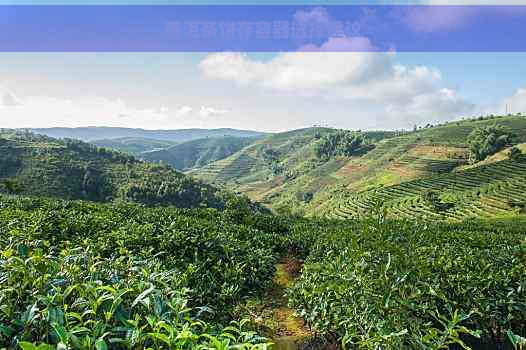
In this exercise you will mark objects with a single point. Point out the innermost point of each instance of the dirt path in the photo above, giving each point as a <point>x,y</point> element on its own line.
<point>287,329</point>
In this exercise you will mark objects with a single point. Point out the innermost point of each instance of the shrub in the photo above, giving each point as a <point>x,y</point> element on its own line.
<point>515,154</point>
<point>394,285</point>
<point>488,140</point>
<point>341,143</point>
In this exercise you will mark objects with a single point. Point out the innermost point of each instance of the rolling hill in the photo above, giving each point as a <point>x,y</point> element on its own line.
<point>493,190</point>
<point>41,166</point>
<point>92,133</point>
<point>198,153</point>
<point>296,177</point>
<point>133,145</point>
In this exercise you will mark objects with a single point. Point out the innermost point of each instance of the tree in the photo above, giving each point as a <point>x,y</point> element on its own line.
<point>307,196</point>
<point>434,200</point>
<point>341,143</point>
<point>270,156</point>
<point>12,186</point>
<point>485,141</point>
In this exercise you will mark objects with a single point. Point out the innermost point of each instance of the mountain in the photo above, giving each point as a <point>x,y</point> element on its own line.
<point>133,145</point>
<point>287,172</point>
<point>198,153</point>
<point>92,133</point>
<point>41,166</point>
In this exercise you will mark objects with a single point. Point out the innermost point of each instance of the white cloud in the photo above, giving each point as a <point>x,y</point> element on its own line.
<point>317,14</point>
<point>183,111</point>
<point>206,112</point>
<point>296,71</point>
<point>515,103</point>
<point>10,99</point>
<point>46,111</point>
<point>410,94</point>
<point>431,107</point>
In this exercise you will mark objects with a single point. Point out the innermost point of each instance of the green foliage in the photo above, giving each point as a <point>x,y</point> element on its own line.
<point>94,276</point>
<point>84,275</point>
<point>433,199</point>
<point>393,285</point>
<point>485,141</point>
<point>517,341</point>
<point>515,154</point>
<point>307,196</point>
<point>270,155</point>
<point>488,190</point>
<point>11,186</point>
<point>341,143</point>
<point>272,158</point>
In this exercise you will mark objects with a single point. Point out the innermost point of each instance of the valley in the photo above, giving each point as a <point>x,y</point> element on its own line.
<point>315,238</point>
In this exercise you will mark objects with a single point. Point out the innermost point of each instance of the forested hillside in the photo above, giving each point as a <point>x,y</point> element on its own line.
<point>265,167</point>
<point>41,166</point>
<point>133,145</point>
<point>198,153</point>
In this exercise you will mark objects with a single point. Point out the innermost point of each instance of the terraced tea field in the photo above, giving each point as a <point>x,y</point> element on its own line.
<point>227,169</point>
<point>456,133</point>
<point>493,190</point>
<point>283,169</point>
<point>438,166</point>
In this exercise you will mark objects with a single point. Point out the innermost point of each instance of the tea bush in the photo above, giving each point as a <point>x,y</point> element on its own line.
<point>394,285</point>
<point>94,276</point>
<point>87,275</point>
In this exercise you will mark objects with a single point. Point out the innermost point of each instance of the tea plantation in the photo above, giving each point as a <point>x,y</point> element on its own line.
<point>83,275</point>
<point>382,284</point>
<point>497,189</point>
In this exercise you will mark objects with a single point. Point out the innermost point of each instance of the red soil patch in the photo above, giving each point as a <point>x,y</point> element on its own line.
<point>350,169</point>
<point>438,152</point>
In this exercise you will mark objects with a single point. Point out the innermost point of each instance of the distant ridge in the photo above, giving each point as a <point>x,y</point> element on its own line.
<point>93,133</point>
<point>198,153</point>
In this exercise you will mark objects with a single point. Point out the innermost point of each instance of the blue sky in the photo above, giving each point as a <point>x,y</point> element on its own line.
<point>202,2</point>
<point>256,2</point>
<point>263,91</point>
